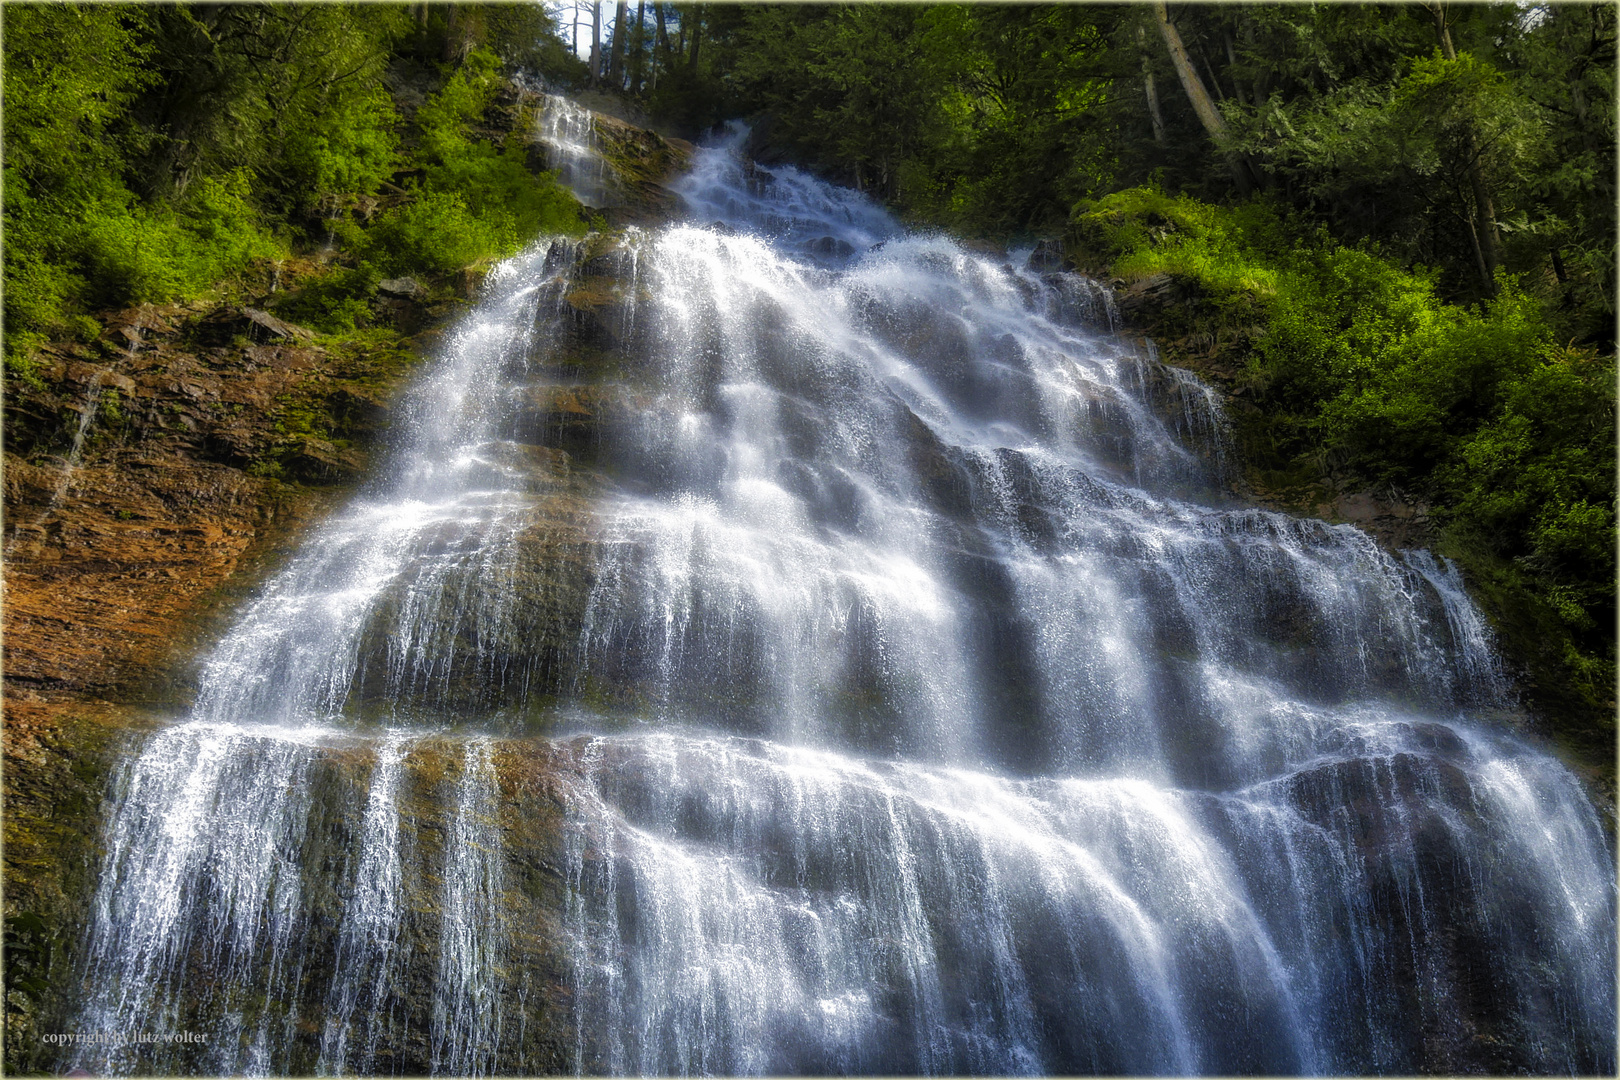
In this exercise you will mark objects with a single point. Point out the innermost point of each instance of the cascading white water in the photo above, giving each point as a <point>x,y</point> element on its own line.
<point>903,691</point>
<point>87,410</point>
<point>568,133</point>
<point>222,820</point>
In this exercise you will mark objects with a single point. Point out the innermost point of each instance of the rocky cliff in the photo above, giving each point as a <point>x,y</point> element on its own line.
<point>153,475</point>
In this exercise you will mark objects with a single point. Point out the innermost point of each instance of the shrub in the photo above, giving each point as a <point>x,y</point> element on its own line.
<point>134,254</point>
<point>345,152</point>
<point>434,232</point>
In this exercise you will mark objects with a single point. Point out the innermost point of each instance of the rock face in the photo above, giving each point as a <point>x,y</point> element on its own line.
<point>618,169</point>
<point>154,476</point>
<point>166,474</point>
<point>148,482</point>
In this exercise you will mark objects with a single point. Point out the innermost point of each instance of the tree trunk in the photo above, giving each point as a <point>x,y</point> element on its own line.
<point>1214,80</point>
<point>462,29</point>
<point>697,36</point>
<point>621,17</point>
<point>1202,104</point>
<point>661,60</point>
<point>1262,79</point>
<point>1487,239</point>
<point>596,41</point>
<point>1148,87</point>
<point>639,45</point>
<point>1153,102</point>
<point>1231,66</point>
<point>1485,209</point>
<point>448,52</point>
<point>1208,115</point>
<point>1481,262</point>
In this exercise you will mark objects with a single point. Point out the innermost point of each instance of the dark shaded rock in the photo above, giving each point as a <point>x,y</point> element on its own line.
<point>1144,300</point>
<point>765,142</point>
<point>320,462</point>
<point>1047,258</point>
<point>993,248</point>
<point>470,280</point>
<point>224,325</point>
<point>359,411</point>
<point>276,327</point>
<point>1398,520</point>
<point>831,246</point>
<point>405,287</point>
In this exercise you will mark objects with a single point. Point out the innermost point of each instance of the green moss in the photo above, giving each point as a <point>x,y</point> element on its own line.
<point>21,361</point>
<point>112,411</point>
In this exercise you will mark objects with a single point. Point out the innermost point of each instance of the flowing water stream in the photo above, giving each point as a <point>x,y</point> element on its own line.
<point>783,642</point>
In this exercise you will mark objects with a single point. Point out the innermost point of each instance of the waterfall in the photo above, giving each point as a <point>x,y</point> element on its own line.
<point>784,642</point>
<point>568,132</point>
<point>70,463</point>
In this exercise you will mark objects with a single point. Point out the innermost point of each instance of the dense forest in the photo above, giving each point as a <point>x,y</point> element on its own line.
<point>1391,227</point>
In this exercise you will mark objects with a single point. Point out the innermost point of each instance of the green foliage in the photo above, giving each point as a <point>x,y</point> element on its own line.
<point>20,363</point>
<point>484,197</point>
<point>335,302</point>
<point>1399,157</point>
<point>348,154</point>
<point>111,408</point>
<point>33,950</point>
<point>1538,477</point>
<point>1457,138</point>
<point>71,71</point>
<point>1410,386</point>
<point>981,118</point>
<point>525,37</point>
<point>436,232</point>
<point>132,254</point>
<point>259,86</point>
<point>1363,358</point>
<point>1142,231</point>
<point>1362,364</point>
<point>153,154</point>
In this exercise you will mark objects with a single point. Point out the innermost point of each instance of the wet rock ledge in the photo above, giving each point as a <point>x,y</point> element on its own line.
<point>153,476</point>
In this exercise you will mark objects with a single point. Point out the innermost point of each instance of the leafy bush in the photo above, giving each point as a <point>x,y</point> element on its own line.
<point>1359,363</point>
<point>346,152</point>
<point>499,203</point>
<point>335,302</point>
<point>152,154</point>
<point>434,232</point>
<point>134,254</point>
<point>1142,232</point>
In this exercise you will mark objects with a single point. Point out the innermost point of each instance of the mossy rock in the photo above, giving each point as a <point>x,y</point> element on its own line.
<point>59,758</point>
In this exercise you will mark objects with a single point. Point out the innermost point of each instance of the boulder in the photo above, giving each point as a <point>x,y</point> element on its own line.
<point>91,375</point>
<point>359,409</point>
<point>405,288</point>
<point>275,327</point>
<point>1146,298</point>
<point>1047,258</point>
<point>831,246</point>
